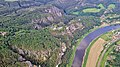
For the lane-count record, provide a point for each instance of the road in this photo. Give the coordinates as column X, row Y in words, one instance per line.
column 80, row 52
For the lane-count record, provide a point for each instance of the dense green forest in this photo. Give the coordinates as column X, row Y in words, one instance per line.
column 45, row 32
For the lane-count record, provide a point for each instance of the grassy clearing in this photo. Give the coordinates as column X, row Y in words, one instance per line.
column 118, row 42
column 94, row 10
column 111, row 6
column 75, row 13
column 107, row 36
column 91, row 10
column 101, row 6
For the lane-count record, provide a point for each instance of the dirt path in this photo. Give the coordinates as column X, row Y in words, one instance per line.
column 102, row 55
column 94, row 53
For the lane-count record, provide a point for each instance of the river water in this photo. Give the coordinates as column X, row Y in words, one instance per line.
column 80, row 52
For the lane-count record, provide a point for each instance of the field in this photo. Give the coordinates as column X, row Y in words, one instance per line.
column 101, row 6
column 118, row 42
column 107, row 36
column 75, row 13
column 111, row 6
column 95, row 52
column 92, row 10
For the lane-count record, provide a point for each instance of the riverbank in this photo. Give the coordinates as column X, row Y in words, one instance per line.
column 103, row 36
column 81, row 49
column 79, row 40
column 77, row 44
column 94, row 52
column 92, row 44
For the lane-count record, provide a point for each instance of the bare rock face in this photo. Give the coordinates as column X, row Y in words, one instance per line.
column 20, row 3
column 65, row 3
column 21, row 59
column 42, row 22
column 72, row 28
column 54, row 10
column 51, row 15
column 29, row 63
column 55, row 14
column 32, row 56
column 61, row 3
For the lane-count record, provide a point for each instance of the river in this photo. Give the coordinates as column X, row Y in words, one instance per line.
column 80, row 51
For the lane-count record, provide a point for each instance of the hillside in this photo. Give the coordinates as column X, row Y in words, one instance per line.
column 45, row 32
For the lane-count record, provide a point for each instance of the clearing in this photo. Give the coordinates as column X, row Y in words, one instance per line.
column 94, row 53
column 93, row 10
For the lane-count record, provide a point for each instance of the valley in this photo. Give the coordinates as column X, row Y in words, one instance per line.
column 48, row 33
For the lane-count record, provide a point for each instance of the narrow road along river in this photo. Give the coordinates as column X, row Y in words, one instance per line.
column 80, row 52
